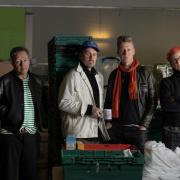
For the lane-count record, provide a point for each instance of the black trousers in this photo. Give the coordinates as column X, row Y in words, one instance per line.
column 171, row 139
column 127, row 135
column 18, row 156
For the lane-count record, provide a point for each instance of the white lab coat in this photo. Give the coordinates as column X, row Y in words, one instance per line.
column 75, row 94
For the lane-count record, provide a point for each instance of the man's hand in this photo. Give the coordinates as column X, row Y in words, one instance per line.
column 96, row 112
column 171, row 99
column 108, row 125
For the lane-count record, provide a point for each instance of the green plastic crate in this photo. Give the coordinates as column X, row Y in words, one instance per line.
column 101, row 165
column 63, row 52
column 65, row 40
column 61, row 61
column 103, row 172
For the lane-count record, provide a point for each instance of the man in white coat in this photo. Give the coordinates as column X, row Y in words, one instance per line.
column 81, row 98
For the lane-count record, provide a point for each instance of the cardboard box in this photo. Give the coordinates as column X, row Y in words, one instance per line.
column 57, row 173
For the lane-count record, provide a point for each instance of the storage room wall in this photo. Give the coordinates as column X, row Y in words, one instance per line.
column 12, row 30
column 12, row 33
column 154, row 30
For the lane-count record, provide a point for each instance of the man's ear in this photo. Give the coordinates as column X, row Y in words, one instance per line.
column 134, row 51
column 12, row 62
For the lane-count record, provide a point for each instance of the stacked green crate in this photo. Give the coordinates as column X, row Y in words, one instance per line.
column 101, row 165
column 63, row 54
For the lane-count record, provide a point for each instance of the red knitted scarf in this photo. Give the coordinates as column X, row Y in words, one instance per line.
column 132, row 89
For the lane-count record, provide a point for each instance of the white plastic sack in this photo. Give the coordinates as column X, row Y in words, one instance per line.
column 161, row 162
column 169, row 178
column 177, row 151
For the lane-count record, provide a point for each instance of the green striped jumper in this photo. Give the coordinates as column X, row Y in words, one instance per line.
column 29, row 112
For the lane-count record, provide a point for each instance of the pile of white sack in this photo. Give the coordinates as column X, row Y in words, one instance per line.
column 161, row 163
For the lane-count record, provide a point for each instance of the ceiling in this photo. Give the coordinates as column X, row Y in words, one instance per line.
column 124, row 4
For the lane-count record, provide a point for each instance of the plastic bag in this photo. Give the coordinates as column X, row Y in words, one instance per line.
column 161, row 162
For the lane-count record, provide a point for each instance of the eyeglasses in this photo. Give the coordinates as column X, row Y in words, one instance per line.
column 176, row 59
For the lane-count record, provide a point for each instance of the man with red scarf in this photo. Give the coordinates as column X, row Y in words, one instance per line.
column 170, row 101
column 131, row 96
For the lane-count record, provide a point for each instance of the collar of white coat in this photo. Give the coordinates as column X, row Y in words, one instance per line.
column 80, row 69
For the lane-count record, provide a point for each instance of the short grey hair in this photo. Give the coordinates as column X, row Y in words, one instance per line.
column 123, row 39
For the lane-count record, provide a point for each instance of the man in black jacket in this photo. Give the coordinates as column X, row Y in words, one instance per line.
column 131, row 96
column 170, row 101
column 20, row 119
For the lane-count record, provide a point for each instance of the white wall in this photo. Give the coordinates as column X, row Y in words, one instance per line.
column 154, row 31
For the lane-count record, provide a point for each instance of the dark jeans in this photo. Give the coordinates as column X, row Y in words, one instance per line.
column 171, row 139
column 18, row 156
column 127, row 135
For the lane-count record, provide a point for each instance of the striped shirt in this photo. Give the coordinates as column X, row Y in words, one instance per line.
column 29, row 112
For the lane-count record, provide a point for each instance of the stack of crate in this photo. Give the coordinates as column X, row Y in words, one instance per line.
column 63, row 52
